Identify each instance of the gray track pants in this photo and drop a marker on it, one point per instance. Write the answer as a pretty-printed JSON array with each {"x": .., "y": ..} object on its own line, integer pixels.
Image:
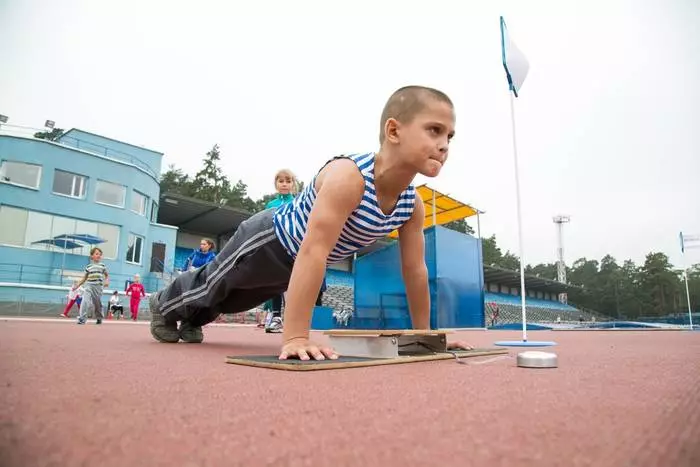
[
  {"x": 252, "y": 267},
  {"x": 92, "y": 302}
]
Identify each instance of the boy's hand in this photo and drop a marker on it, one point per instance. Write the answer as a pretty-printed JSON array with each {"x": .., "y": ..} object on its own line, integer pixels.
[
  {"x": 305, "y": 349},
  {"x": 459, "y": 345}
]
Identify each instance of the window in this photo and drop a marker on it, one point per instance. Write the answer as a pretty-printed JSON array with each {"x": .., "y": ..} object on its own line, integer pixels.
[
  {"x": 110, "y": 193},
  {"x": 154, "y": 212},
  {"x": 19, "y": 173},
  {"x": 134, "y": 249},
  {"x": 138, "y": 203},
  {"x": 14, "y": 225},
  {"x": 24, "y": 228},
  {"x": 69, "y": 184}
]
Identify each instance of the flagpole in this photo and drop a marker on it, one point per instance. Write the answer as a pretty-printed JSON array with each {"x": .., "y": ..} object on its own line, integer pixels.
[
  {"x": 520, "y": 229},
  {"x": 687, "y": 296},
  {"x": 685, "y": 275}
]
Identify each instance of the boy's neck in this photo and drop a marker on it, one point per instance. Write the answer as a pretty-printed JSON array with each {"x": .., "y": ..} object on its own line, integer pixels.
[{"x": 391, "y": 177}]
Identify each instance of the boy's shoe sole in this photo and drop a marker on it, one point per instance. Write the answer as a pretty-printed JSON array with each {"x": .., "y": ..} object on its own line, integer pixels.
[
  {"x": 161, "y": 330},
  {"x": 191, "y": 334}
]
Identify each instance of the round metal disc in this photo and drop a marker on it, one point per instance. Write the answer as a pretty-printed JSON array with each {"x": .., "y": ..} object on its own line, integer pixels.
[{"x": 536, "y": 359}]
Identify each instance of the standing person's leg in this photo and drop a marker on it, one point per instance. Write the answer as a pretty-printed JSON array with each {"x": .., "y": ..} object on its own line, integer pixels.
[
  {"x": 273, "y": 320},
  {"x": 97, "y": 297},
  {"x": 252, "y": 267},
  {"x": 134, "y": 307},
  {"x": 91, "y": 303},
  {"x": 83, "y": 310},
  {"x": 69, "y": 305}
]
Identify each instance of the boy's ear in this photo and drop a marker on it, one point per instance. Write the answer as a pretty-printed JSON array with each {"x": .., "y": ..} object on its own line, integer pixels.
[{"x": 391, "y": 130}]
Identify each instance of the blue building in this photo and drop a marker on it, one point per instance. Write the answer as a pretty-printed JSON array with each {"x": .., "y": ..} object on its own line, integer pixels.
[{"x": 81, "y": 187}]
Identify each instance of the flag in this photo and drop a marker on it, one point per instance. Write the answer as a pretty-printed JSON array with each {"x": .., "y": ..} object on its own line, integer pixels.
[{"x": 514, "y": 61}]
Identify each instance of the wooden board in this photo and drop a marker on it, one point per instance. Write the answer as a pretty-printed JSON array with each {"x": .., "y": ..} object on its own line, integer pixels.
[
  {"x": 385, "y": 332},
  {"x": 273, "y": 362}
]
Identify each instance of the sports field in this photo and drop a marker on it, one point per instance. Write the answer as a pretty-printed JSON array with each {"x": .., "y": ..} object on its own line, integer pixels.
[{"x": 111, "y": 396}]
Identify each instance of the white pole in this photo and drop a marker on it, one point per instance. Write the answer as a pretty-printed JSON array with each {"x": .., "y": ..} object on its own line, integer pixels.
[
  {"x": 685, "y": 274},
  {"x": 687, "y": 296},
  {"x": 520, "y": 232}
]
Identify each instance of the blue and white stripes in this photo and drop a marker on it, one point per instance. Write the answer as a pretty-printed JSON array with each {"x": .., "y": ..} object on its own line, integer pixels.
[{"x": 366, "y": 224}]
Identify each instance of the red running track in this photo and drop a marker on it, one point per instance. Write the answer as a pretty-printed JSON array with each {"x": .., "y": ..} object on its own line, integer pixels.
[{"x": 111, "y": 396}]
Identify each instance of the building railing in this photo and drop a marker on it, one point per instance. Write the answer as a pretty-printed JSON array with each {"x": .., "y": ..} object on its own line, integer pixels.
[
  {"x": 83, "y": 145},
  {"x": 100, "y": 150},
  {"x": 42, "y": 275}
]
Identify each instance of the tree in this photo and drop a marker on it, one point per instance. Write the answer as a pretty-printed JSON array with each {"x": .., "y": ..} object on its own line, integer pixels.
[
  {"x": 545, "y": 271},
  {"x": 210, "y": 184},
  {"x": 52, "y": 135},
  {"x": 491, "y": 252},
  {"x": 175, "y": 181},
  {"x": 660, "y": 285},
  {"x": 460, "y": 226}
]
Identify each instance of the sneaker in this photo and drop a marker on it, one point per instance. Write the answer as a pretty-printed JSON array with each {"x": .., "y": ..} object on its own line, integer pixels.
[
  {"x": 99, "y": 321},
  {"x": 275, "y": 325},
  {"x": 191, "y": 334},
  {"x": 80, "y": 321},
  {"x": 161, "y": 329}
]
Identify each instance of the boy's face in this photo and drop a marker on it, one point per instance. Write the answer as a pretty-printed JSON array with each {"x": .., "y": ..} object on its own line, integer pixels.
[
  {"x": 284, "y": 184},
  {"x": 424, "y": 141},
  {"x": 96, "y": 255}
]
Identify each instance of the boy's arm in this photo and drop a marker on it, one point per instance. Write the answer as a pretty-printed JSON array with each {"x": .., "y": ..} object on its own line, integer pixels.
[
  {"x": 82, "y": 281},
  {"x": 413, "y": 268},
  {"x": 340, "y": 192},
  {"x": 415, "y": 272}
]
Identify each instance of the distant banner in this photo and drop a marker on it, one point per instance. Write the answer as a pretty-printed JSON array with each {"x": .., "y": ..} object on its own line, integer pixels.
[{"x": 689, "y": 242}]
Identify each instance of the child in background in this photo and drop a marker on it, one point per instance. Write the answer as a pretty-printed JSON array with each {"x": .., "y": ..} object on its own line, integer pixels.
[
  {"x": 74, "y": 298},
  {"x": 286, "y": 187},
  {"x": 205, "y": 254},
  {"x": 115, "y": 305},
  {"x": 95, "y": 280},
  {"x": 136, "y": 292}
]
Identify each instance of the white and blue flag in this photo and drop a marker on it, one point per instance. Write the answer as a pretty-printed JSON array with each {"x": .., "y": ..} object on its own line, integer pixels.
[{"x": 514, "y": 61}]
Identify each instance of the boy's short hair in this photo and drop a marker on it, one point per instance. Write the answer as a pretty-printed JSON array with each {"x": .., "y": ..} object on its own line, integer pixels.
[
  {"x": 94, "y": 249},
  {"x": 406, "y": 102}
]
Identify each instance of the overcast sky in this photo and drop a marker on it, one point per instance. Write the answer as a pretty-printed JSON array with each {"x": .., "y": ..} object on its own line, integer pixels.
[{"x": 607, "y": 120}]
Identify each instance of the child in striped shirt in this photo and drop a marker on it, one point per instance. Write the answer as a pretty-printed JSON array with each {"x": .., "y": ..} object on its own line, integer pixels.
[
  {"x": 95, "y": 280},
  {"x": 352, "y": 202}
]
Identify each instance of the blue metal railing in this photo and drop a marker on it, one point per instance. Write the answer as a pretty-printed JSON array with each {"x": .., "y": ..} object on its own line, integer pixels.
[
  {"x": 41, "y": 275},
  {"x": 105, "y": 151}
]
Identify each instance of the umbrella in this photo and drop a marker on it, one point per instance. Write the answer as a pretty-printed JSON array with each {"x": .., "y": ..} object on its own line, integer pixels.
[
  {"x": 85, "y": 238},
  {"x": 60, "y": 242}
]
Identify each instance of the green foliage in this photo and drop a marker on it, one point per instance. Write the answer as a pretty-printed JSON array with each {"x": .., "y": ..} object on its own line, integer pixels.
[
  {"x": 209, "y": 184},
  {"x": 52, "y": 135},
  {"x": 460, "y": 226}
]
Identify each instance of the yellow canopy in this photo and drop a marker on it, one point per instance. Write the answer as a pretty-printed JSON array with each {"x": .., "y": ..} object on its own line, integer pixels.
[{"x": 446, "y": 208}]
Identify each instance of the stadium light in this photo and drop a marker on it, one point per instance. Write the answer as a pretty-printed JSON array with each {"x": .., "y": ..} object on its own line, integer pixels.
[
  {"x": 3, "y": 118},
  {"x": 49, "y": 124}
]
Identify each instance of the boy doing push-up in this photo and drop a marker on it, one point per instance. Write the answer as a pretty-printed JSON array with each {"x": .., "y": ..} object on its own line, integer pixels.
[{"x": 352, "y": 202}]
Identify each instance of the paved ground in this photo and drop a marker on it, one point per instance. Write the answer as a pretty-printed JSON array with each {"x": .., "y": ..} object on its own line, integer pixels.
[{"x": 110, "y": 396}]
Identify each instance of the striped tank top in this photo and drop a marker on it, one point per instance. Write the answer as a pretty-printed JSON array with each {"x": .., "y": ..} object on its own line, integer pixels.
[{"x": 366, "y": 224}]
